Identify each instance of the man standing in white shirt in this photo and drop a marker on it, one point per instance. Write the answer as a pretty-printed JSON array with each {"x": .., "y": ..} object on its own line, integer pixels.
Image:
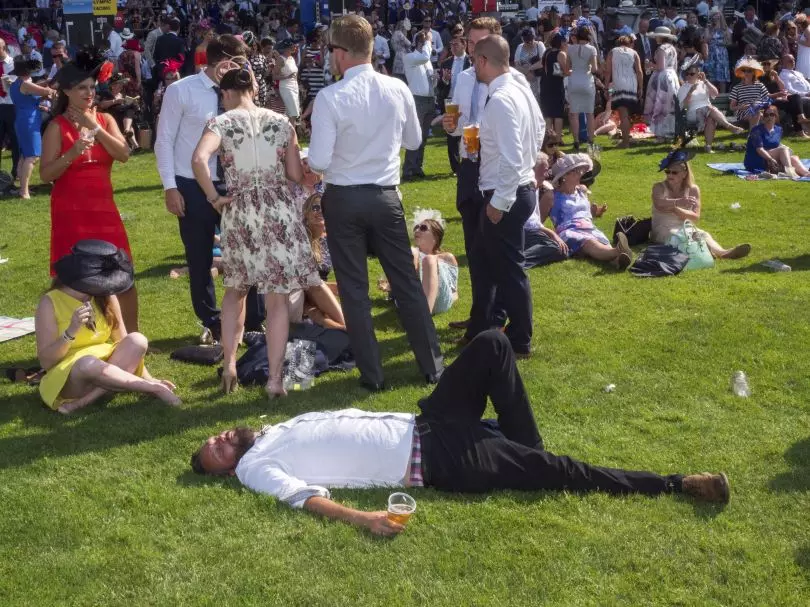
[
  {"x": 434, "y": 37},
  {"x": 191, "y": 102},
  {"x": 447, "y": 446},
  {"x": 7, "y": 113},
  {"x": 382, "y": 52},
  {"x": 419, "y": 74},
  {"x": 358, "y": 126},
  {"x": 116, "y": 43},
  {"x": 512, "y": 130}
]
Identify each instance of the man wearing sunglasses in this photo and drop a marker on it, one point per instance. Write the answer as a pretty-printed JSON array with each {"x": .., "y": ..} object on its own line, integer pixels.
[
  {"x": 59, "y": 56},
  {"x": 358, "y": 127}
]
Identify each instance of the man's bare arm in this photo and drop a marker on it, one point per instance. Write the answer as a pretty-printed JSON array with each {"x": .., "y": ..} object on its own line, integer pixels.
[{"x": 376, "y": 522}]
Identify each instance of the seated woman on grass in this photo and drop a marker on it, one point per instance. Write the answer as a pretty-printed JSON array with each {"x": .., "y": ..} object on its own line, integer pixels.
[
  {"x": 765, "y": 153},
  {"x": 572, "y": 213},
  {"x": 677, "y": 199},
  {"x": 695, "y": 95},
  {"x": 438, "y": 270},
  {"x": 75, "y": 322}
]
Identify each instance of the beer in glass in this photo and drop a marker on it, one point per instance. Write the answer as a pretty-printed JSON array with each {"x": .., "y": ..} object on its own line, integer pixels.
[{"x": 400, "y": 507}]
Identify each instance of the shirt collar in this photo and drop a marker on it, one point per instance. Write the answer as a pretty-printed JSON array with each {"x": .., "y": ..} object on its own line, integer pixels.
[
  {"x": 357, "y": 70},
  {"x": 206, "y": 80},
  {"x": 499, "y": 82},
  {"x": 462, "y": 58}
]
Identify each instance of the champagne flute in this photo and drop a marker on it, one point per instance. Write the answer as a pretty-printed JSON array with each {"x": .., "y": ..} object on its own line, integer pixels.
[{"x": 89, "y": 136}]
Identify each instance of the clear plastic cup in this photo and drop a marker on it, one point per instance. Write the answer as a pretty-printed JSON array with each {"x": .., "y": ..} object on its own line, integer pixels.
[{"x": 400, "y": 507}]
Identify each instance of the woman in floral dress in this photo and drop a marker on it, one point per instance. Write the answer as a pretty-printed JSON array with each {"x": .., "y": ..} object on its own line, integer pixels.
[
  {"x": 659, "y": 107},
  {"x": 264, "y": 243}
]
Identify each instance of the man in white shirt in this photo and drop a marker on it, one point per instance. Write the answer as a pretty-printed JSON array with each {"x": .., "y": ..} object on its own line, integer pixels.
[
  {"x": 447, "y": 446},
  {"x": 382, "y": 52},
  {"x": 419, "y": 74},
  {"x": 359, "y": 125},
  {"x": 59, "y": 56},
  {"x": 794, "y": 81},
  {"x": 116, "y": 43},
  {"x": 435, "y": 40},
  {"x": 471, "y": 95},
  {"x": 191, "y": 102},
  {"x": 512, "y": 130},
  {"x": 29, "y": 51},
  {"x": 451, "y": 68},
  {"x": 7, "y": 113}
]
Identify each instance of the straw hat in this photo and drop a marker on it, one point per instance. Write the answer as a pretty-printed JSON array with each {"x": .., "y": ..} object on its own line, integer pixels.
[
  {"x": 95, "y": 267},
  {"x": 662, "y": 31},
  {"x": 568, "y": 163},
  {"x": 748, "y": 62}
]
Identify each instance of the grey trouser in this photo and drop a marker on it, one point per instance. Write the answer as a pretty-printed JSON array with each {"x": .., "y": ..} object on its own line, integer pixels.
[
  {"x": 426, "y": 110},
  {"x": 363, "y": 218}
]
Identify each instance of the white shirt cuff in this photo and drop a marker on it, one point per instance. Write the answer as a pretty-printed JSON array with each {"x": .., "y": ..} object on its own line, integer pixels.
[
  {"x": 298, "y": 499},
  {"x": 501, "y": 203}
]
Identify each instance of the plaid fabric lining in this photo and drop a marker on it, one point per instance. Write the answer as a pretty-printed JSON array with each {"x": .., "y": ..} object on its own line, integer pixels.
[{"x": 415, "y": 478}]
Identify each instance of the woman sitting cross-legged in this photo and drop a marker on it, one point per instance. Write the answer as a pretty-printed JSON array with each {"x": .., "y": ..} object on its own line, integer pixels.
[
  {"x": 572, "y": 213},
  {"x": 677, "y": 199},
  {"x": 74, "y": 323},
  {"x": 765, "y": 152},
  {"x": 695, "y": 95}
]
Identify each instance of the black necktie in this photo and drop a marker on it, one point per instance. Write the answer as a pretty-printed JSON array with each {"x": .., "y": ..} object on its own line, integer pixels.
[{"x": 220, "y": 110}]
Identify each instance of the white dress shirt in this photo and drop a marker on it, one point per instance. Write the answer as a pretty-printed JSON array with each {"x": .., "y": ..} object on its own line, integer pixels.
[
  {"x": 458, "y": 67},
  {"x": 116, "y": 44},
  {"x": 188, "y": 105},
  {"x": 512, "y": 130},
  {"x": 304, "y": 456},
  {"x": 381, "y": 49},
  {"x": 419, "y": 71},
  {"x": 467, "y": 85},
  {"x": 8, "y": 66},
  {"x": 37, "y": 56},
  {"x": 358, "y": 126},
  {"x": 795, "y": 82},
  {"x": 438, "y": 45}
]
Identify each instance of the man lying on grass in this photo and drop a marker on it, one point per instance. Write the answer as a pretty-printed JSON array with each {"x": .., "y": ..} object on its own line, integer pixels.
[{"x": 447, "y": 446}]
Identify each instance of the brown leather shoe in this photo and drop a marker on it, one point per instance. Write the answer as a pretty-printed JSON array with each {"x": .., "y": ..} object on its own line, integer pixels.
[
  {"x": 459, "y": 324},
  {"x": 707, "y": 487}
]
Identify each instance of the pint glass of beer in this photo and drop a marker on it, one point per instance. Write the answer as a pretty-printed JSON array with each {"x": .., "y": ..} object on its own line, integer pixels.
[
  {"x": 471, "y": 143},
  {"x": 400, "y": 507}
]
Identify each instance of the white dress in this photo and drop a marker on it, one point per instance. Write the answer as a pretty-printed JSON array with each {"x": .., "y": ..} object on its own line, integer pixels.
[
  {"x": 623, "y": 78},
  {"x": 288, "y": 88},
  {"x": 803, "y": 55}
]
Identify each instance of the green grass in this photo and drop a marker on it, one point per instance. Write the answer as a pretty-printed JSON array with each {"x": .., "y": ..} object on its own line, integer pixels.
[{"x": 100, "y": 508}]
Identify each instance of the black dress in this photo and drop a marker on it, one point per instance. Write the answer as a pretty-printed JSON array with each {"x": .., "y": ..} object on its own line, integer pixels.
[{"x": 552, "y": 89}]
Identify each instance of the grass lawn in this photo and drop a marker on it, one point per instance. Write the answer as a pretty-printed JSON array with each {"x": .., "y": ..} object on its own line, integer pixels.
[{"x": 100, "y": 508}]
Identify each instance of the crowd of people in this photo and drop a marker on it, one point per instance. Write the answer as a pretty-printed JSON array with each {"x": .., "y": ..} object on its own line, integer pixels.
[{"x": 230, "y": 89}]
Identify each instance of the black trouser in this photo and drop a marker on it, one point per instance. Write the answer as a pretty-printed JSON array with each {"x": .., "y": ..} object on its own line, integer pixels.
[
  {"x": 470, "y": 202},
  {"x": 7, "y": 114},
  {"x": 499, "y": 252},
  {"x": 794, "y": 106},
  {"x": 197, "y": 232},
  {"x": 540, "y": 250},
  {"x": 363, "y": 217},
  {"x": 426, "y": 110},
  {"x": 453, "y": 153},
  {"x": 459, "y": 453}
]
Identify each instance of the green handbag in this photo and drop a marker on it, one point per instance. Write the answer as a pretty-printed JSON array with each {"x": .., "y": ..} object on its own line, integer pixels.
[{"x": 691, "y": 241}]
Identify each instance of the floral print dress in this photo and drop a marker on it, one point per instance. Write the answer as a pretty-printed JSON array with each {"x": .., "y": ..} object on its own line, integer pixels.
[{"x": 264, "y": 242}]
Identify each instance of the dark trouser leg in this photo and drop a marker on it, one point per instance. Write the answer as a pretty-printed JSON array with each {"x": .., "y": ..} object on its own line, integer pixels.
[
  {"x": 197, "y": 232},
  {"x": 426, "y": 110},
  {"x": 389, "y": 238},
  {"x": 540, "y": 250},
  {"x": 255, "y": 311},
  {"x": 501, "y": 256},
  {"x": 346, "y": 236},
  {"x": 453, "y": 154},
  {"x": 7, "y": 113},
  {"x": 485, "y": 368}
]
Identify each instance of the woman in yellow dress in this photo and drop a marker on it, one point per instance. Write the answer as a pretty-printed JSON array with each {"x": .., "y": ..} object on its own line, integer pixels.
[{"x": 75, "y": 322}]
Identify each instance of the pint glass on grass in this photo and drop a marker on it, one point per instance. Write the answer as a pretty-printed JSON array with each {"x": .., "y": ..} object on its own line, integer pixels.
[{"x": 400, "y": 507}]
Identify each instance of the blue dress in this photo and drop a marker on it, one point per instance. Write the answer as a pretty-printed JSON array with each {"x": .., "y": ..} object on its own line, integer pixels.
[
  {"x": 572, "y": 219},
  {"x": 760, "y": 138},
  {"x": 28, "y": 121},
  {"x": 717, "y": 66}
]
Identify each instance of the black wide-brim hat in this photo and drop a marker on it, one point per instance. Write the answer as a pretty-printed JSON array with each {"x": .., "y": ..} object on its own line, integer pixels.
[
  {"x": 95, "y": 267},
  {"x": 589, "y": 177},
  {"x": 88, "y": 64}
]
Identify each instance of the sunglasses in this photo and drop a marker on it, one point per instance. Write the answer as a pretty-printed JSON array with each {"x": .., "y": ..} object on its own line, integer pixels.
[
  {"x": 692, "y": 73},
  {"x": 315, "y": 208},
  {"x": 672, "y": 172},
  {"x": 332, "y": 48},
  {"x": 420, "y": 228}
]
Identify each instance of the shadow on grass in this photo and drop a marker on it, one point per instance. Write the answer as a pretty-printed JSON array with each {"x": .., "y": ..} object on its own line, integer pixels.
[
  {"x": 161, "y": 270},
  {"x": 800, "y": 263},
  {"x": 802, "y": 558},
  {"x": 797, "y": 479},
  {"x": 139, "y": 188}
]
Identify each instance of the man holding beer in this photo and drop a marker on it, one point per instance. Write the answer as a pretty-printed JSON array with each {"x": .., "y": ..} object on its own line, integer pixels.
[{"x": 447, "y": 446}]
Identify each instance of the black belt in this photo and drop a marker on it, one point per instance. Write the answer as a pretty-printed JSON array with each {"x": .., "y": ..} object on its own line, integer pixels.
[
  {"x": 521, "y": 188},
  {"x": 362, "y": 186}
]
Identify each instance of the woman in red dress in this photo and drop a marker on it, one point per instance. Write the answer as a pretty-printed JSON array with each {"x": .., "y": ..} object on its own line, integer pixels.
[{"x": 78, "y": 149}]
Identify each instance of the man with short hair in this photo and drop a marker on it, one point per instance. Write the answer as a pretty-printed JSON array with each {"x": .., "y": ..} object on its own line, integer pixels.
[
  {"x": 435, "y": 39},
  {"x": 116, "y": 43},
  {"x": 359, "y": 125},
  {"x": 29, "y": 51},
  {"x": 170, "y": 45},
  {"x": 450, "y": 70},
  {"x": 151, "y": 40},
  {"x": 382, "y": 51},
  {"x": 419, "y": 74},
  {"x": 741, "y": 25},
  {"x": 511, "y": 132},
  {"x": 447, "y": 446},
  {"x": 7, "y": 111},
  {"x": 59, "y": 56}
]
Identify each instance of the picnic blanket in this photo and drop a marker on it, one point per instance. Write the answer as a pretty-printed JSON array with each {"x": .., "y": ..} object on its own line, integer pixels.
[
  {"x": 739, "y": 170},
  {"x": 12, "y": 328}
]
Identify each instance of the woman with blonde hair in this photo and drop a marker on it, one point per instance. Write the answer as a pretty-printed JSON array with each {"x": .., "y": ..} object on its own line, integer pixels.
[
  {"x": 677, "y": 199},
  {"x": 718, "y": 38},
  {"x": 624, "y": 80}
]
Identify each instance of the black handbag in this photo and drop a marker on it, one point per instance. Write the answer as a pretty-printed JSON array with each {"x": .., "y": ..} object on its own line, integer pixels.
[
  {"x": 636, "y": 230},
  {"x": 659, "y": 260}
]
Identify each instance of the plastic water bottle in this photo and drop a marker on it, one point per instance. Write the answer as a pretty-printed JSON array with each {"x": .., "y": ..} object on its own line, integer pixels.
[
  {"x": 306, "y": 363},
  {"x": 739, "y": 385},
  {"x": 776, "y": 265},
  {"x": 291, "y": 360}
]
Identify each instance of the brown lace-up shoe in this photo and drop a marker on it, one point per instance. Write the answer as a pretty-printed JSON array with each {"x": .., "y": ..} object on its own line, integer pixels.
[{"x": 707, "y": 487}]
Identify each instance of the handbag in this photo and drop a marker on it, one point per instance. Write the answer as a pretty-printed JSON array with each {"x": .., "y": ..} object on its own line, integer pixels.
[
  {"x": 636, "y": 230},
  {"x": 659, "y": 260},
  {"x": 689, "y": 240}
]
